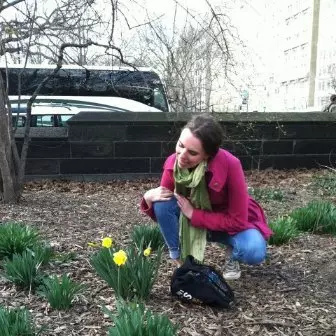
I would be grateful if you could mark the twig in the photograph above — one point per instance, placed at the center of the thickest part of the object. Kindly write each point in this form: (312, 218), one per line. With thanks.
(272, 323)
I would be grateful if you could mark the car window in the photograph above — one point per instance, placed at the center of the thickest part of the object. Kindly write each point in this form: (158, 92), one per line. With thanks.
(18, 121)
(44, 121)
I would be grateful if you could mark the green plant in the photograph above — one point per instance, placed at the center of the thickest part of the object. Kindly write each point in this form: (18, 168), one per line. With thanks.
(130, 273)
(267, 194)
(326, 183)
(284, 229)
(316, 217)
(42, 253)
(147, 235)
(16, 322)
(134, 320)
(15, 238)
(60, 293)
(23, 270)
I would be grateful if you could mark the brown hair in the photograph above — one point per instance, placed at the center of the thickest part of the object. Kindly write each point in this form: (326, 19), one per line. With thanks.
(208, 131)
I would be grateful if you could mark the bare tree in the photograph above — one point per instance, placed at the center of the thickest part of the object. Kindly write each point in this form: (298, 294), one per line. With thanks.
(194, 59)
(37, 33)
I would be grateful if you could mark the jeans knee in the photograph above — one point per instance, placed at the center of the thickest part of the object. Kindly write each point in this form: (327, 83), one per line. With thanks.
(162, 208)
(253, 253)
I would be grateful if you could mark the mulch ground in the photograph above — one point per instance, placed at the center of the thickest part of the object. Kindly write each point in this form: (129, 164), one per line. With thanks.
(292, 293)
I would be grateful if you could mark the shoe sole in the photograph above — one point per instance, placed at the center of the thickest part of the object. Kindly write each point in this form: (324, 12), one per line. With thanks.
(232, 277)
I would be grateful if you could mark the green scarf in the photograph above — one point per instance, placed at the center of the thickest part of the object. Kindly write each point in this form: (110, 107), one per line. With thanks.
(193, 240)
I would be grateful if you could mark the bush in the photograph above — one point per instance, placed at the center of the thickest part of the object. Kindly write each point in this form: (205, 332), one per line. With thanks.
(134, 320)
(266, 194)
(16, 322)
(316, 217)
(23, 270)
(130, 273)
(16, 238)
(60, 293)
(147, 235)
(284, 229)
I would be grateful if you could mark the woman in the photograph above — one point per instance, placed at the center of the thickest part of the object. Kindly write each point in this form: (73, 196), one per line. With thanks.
(227, 214)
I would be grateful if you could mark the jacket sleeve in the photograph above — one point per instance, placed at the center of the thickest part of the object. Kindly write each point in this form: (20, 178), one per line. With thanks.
(235, 218)
(167, 180)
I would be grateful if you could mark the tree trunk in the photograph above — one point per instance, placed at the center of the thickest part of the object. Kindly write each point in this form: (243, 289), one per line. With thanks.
(8, 189)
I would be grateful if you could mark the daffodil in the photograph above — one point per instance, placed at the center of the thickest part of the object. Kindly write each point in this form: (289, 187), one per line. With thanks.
(91, 244)
(120, 257)
(147, 252)
(107, 242)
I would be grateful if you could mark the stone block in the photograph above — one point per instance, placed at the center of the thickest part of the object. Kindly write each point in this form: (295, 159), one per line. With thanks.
(316, 146)
(104, 166)
(84, 149)
(137, 149)
(42, 167)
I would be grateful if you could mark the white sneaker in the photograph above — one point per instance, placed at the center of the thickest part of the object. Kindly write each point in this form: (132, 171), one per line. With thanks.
(232, 270)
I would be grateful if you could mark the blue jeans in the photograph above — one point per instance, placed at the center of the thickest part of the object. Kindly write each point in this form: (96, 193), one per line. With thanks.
(248, 246)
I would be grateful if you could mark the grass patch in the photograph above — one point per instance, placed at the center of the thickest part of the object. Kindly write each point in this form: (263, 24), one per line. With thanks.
(24, 270)
(135, 320)
(60, 293)
(131, 273)
(16, 322)
(147, 235)
(266, 194)
(316, 217)
(326, 184)
(284, 229)
(15, 238)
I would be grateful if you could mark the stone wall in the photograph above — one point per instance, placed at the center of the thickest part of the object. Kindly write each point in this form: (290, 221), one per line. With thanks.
(127, 145)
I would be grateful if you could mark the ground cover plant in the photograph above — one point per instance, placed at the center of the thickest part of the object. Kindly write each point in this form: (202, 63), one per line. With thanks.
(17, 238)
(135, 320)
(145, 236)
(284, 229)
(60, 291)
(16, 322)
(130, 272)
(316, 216)
(292, 293)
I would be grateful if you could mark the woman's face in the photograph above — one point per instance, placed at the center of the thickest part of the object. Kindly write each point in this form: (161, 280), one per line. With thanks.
(189, 150)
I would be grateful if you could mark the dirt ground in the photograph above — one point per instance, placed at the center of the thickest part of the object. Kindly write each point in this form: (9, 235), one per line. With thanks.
(292, 293)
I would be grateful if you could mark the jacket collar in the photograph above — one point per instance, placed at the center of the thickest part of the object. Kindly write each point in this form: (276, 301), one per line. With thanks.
(217, 168)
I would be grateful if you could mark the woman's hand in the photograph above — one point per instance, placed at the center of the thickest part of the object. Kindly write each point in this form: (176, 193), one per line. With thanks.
(185, 205)
(158, 194)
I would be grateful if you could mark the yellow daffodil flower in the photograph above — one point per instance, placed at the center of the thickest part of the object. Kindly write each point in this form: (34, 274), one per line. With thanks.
(120, 257)
(91, 244)
(147, 252)
(107, 242)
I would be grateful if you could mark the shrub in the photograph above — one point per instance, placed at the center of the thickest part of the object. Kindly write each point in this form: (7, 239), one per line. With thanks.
(16, 238)
(16, 322)
(316, 217)
(135, 320)
(60, 293)
(284, 229)
(267, 194)
(130, 273)
(147, 235)
(23, 270)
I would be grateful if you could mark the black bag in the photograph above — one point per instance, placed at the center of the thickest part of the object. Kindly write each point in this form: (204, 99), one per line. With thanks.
(194, 282)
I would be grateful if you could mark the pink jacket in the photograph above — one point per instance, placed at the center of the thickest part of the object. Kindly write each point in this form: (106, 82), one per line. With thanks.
(233, 210)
